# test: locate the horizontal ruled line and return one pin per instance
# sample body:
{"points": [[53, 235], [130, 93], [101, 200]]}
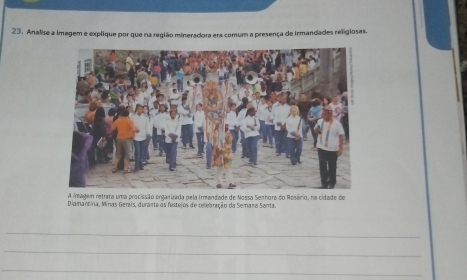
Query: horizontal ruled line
{"points": [[211, 236], [206, 254], [214, 273]]}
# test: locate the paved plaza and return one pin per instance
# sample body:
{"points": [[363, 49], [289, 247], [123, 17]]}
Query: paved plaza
{"points": [[272, 172]]}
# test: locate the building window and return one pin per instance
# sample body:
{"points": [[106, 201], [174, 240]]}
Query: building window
{"points": [[79, 69], [87, 66]]}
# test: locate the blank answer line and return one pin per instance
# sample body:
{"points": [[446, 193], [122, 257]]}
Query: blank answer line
{"points": [[207, 254], [214, 273], [211, 236]]}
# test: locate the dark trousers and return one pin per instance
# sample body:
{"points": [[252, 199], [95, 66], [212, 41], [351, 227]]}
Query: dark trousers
{"points": [[180, 85], [252, 143], [208, 155], [200, 140], [295, 149], [245, 146], [139, 146], [187, 134], [281, 141], [161, 139], [155, 142], [313, 133], [234, 139], [262, 131], [145, 153], [269, 129], [327, 168], [171, 154]]}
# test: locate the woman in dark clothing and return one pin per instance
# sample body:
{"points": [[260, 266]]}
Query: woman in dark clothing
{"points": [[79, 159], [99, 131], [132, 75], [114, 136]]}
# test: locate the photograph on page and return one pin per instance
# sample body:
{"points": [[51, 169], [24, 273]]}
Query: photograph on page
{"points": [[245, 119]]}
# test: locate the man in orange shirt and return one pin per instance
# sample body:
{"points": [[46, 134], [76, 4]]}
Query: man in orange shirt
{"points": [[91, 79], [125, 133]]}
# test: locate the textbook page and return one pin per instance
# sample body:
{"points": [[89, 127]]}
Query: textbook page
{"points": [[265, 139]]}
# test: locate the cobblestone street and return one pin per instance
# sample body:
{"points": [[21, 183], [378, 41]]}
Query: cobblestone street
{"points": [[272, 172]]}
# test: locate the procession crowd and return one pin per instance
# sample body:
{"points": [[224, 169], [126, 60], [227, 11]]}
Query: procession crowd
{"points": [[142, 114]]}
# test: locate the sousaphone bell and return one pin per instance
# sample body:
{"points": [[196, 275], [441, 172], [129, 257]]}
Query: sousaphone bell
{"points": [[251, 77], [195, 79]]}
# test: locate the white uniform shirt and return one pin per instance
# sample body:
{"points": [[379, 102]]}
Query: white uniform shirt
{"points": [[153, 113], [293, 124], [143, 124], [261, 114], [280, 113], [139, 99], [232, 120], [151, 102], [176, 96], [185, 115], [240, 117], [172, 126], [335, 129], [237, 98], [248, 123], [159, 121], [199, 119], [256, 103], [268, 116]]}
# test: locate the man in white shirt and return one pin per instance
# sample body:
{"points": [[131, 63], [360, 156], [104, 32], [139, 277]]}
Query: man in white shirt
{"points": [[250, 126], [262, 118], [337, 108], [159, 121], [330, 145], [236, 97], [139, 97], [268, 122], [234, 126], [186, 121], [172, 130], [153, 113], [174, 98], [280, 113], [198, 125], [240, 117], [256, 100], [144, 129]]}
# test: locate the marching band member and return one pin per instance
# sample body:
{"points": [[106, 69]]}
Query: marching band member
{"points": [[159, 121], [143, 133], [261, 116], [240, 117], [173, 130], [294, 125], [152, 114], [199, 119], [280, 114], [268, 123], [234, 126], [256, 101], [250, 126], [236, 97], [174, 98], [330, 144], [186, 120]]}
